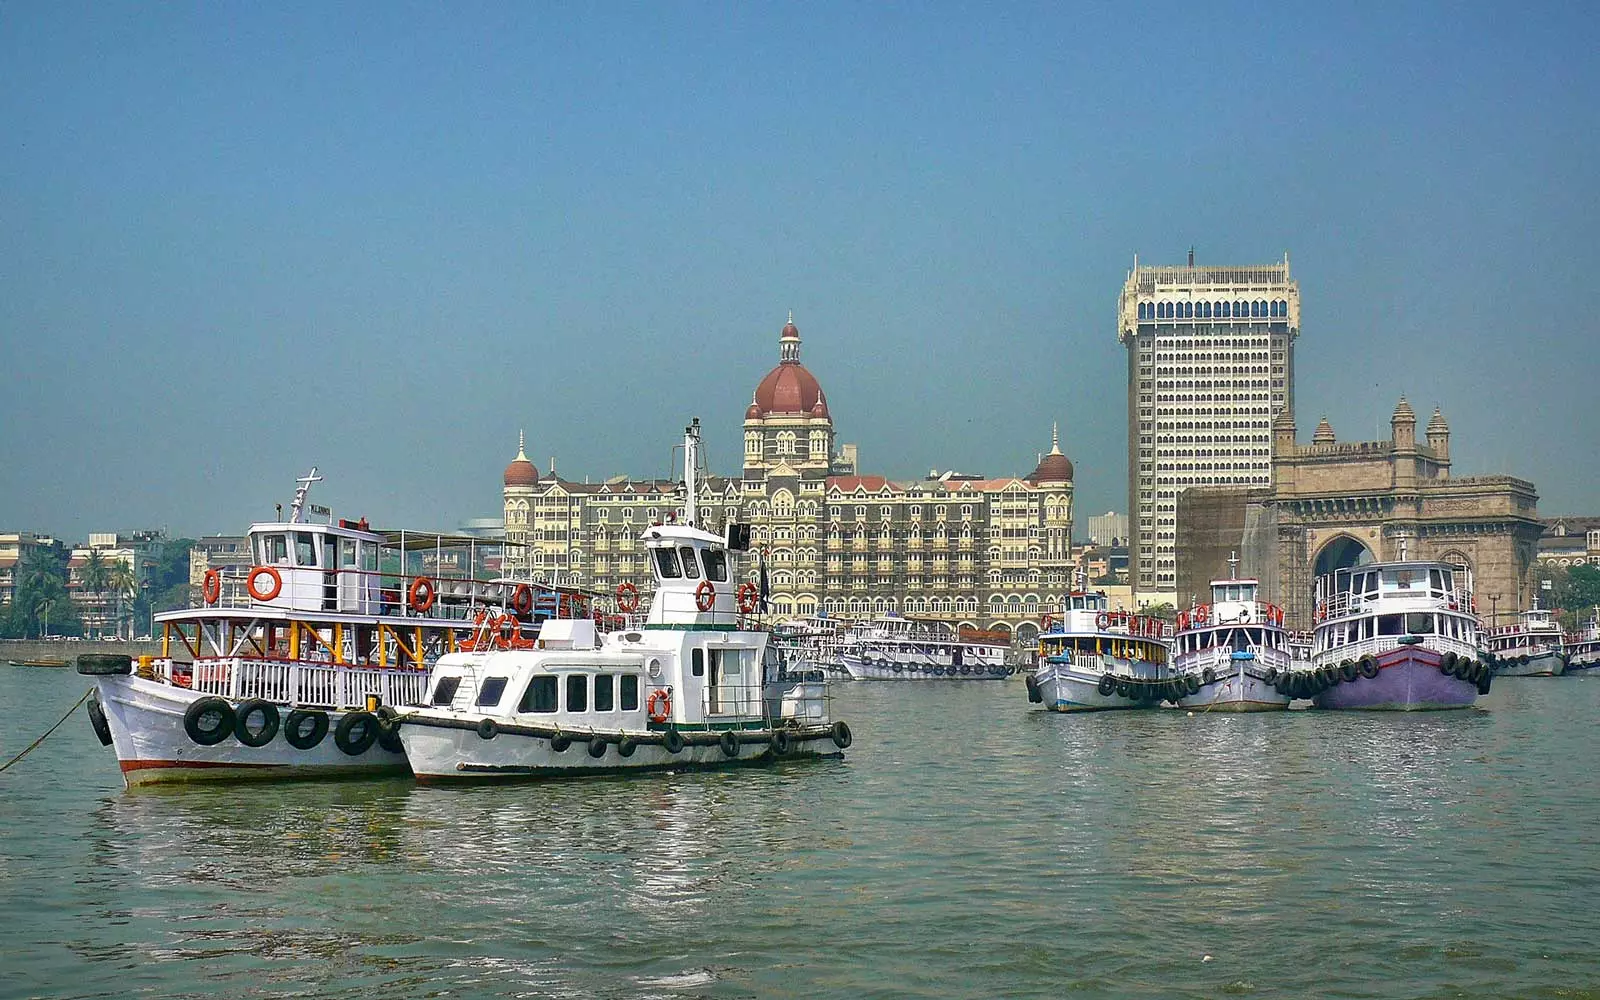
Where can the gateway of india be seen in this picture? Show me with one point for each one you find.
(974, 552)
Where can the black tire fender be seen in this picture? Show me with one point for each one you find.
(355, 733)
(597, 747)
(269, 722)
(779, 742)
(1367, 667)
(202, 708)
(294, 728)
(1208, 676)
(1107, 685)
(488, 729)
(560, 742)
(672, 740)
(626, 746)
(1033, 690)
(98, 721)
(841, 735)
(729, 742)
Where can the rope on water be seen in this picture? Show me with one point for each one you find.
(47, 732)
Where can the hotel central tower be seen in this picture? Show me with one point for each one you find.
(1210, 364)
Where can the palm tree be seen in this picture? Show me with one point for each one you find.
(121, 580)
(94, 576)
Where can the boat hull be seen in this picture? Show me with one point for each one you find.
(1409, 680)
(888, 670)
(152, 746)
(1239, 691)
(1549, 664)
(1067, 688)
(453, 751)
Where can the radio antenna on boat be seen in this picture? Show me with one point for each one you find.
(305, 482)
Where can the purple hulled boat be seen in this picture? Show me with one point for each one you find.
(1400, 636)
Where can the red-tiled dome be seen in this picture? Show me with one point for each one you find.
(789, 388)
(521, 471)
(1054, 467)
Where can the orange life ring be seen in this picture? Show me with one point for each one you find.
(705, 595)
(1102, 620)
(627, 598)
(269, 573)
(507, 631)
(1202, 613)
(747, 597)
(213, 586)
(1322, 612)
(522, 599)
(659, 705)
(1183, 619)
(421, 595)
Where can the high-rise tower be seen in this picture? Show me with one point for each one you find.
(1210, 364)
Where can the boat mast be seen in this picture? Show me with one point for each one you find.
(305, 482)
(691, 460)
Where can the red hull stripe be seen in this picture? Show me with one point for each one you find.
(139, 765)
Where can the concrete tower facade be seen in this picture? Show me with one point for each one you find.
(1210, 365)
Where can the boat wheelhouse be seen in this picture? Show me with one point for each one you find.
(893, 648)
(1533, 646)
(1096, 659)
(289, 668)
(1583, 648)
(692, 682)
(1230, 653)
(1399, 636)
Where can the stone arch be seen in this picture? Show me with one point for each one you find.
(1338, 552)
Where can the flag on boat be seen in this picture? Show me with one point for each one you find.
(765, 588)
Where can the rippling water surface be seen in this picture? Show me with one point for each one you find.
(967, 847)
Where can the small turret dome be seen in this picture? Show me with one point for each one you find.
(1404, 412)
(521, 472)
(1324, 433)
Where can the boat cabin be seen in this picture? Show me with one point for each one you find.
(1371, 607)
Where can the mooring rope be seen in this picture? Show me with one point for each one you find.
(47, 732)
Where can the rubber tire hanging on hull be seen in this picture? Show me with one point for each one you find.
(1107, 685)
(672, 740)
(199, 709)
(1368, 667)
(356, 745)
(779, 742)
(98, 722)
(389, 730)
(841, 735)
(269, 722)
(296, 735)
(1034, 695)
(729, 742)
(105, 664)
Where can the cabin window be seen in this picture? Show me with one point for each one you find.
(716, 562)
(604, 699)
(1436, 581)
(369, 556)
(445, 691)
(489, 694)
(305, 549)
(667, 564)
(577, 692)
(697, 662)
(276, 550)
(1419, 624)
(628, 693)
(1391, 625)
(540, 696)
(347, 553)
(691, 568)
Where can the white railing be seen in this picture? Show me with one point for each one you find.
(1378, 644)
(310, 684)
(1422, 599)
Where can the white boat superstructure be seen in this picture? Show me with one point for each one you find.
(893, 648)
(1583, 647)
(1533, 646)
(1096, 659)
(1228, 654)
(289, 669)
(693, 682)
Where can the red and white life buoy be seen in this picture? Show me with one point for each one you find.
(747, 597)
(1046, 623)
(705, 595)
(213, 586)
(1202, 613)
(627, 598)
(421, 595)
(256, 574)
(659, 705)
(522, 599)
(1102, 620)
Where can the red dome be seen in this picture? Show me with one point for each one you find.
(1053, 468)
(521, 471)
(790, 389)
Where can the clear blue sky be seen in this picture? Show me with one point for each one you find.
(240, 239)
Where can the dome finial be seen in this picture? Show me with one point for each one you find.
(522, 455)
(1055, 439)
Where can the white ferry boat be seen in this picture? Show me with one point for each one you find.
(1230, 653)
(1534, 646)
(1096, 659)
(1583, 648)
(1400, 636)
(295, 668)
(693, 683)
(892, 648)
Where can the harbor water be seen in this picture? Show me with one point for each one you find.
(967, 847)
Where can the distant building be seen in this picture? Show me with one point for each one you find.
(103, 609)
(988, 553)
(1337, 504)
(1108, 530)
(1210, 362)
(14, 547)
(1570, 541)
(230, 556)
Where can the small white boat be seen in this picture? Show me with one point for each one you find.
(292, 669)
(692, 683)
(1534, 646)
(1583, 648)
(1229, 654)
(892, 648)
(1096, 659)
